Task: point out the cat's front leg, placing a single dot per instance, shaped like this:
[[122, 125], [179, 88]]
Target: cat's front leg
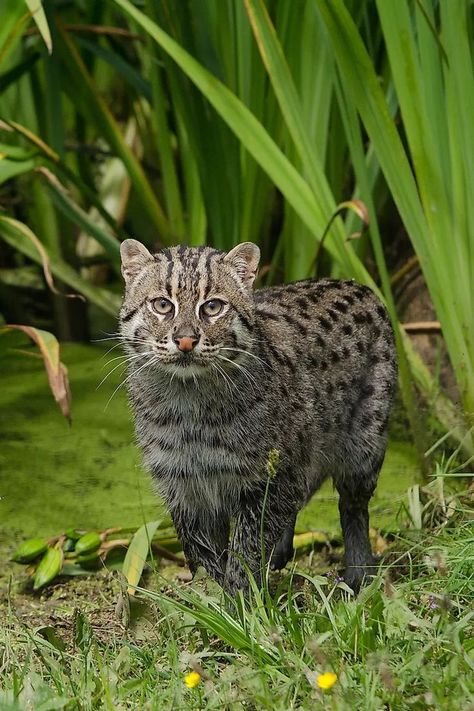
[[204, 537], [252, 543]]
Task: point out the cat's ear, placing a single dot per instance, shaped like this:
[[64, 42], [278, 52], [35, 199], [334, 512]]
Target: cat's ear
[[134, 256], [244, 259]]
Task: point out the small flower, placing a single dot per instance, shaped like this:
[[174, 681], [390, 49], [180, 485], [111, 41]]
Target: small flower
[[432, 604], [326, 681], [192, 679]]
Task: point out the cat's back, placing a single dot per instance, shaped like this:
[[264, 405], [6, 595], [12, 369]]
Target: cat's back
[[337, 318]]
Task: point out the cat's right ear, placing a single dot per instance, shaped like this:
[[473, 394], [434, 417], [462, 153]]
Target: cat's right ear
[[134, 256]]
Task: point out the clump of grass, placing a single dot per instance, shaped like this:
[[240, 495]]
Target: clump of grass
[[405, 642]]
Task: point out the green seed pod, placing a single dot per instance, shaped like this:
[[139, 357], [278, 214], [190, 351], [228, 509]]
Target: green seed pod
[[49, 568], [74, 534], [69, 545], [88, 543], [89, 561], [29, 550]]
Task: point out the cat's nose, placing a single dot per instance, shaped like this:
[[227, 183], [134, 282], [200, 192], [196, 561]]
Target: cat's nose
[[185, 343]]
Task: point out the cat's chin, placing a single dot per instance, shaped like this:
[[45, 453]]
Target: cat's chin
[[185, 368]]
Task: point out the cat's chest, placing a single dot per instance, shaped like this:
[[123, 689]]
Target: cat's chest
[[186, 437]]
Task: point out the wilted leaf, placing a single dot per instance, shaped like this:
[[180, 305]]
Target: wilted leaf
[[57, 372], [11, 225], [137, 553]]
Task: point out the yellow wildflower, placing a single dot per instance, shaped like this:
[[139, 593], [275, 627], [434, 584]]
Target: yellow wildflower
[[326, 681], [192, 679]]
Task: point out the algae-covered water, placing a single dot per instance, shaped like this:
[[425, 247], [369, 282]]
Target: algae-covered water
[[88, 475]]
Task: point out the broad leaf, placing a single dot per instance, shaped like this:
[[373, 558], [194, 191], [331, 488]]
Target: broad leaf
[[137, 554], [57, 371]]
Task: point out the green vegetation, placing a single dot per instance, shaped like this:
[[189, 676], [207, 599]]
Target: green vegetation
[[339, 137], [406, 642]]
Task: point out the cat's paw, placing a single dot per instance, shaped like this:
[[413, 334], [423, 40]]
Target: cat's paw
[[357, 576]]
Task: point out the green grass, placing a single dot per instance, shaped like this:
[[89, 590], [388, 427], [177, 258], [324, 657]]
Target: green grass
[[402, 645]]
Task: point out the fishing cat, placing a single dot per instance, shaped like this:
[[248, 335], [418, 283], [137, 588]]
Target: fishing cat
[[221, 377]]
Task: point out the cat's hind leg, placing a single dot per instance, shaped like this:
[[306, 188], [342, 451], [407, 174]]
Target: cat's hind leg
[[355, 491]]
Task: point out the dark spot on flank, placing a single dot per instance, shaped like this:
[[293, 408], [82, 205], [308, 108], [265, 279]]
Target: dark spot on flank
[[347, 330], [330, 389], [314, 296], [303, 303], [382, 312], [360, 346], [325, 323], [335, 357], [320, 340], [349, 299], [295, 323], [346, 352], [341, 306], [333, 314], [323, 365], [342, 384], [376, 332], [359, 318]]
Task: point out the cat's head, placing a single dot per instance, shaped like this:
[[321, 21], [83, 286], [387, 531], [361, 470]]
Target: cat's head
[[188, 308]]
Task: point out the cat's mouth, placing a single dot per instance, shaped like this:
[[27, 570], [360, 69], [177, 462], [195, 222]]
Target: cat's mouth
[[184, 360]]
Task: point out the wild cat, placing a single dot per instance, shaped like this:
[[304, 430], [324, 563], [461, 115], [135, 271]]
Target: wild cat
[[220, 376]]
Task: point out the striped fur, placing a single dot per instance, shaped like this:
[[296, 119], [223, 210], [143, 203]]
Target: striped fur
[[308, 369]]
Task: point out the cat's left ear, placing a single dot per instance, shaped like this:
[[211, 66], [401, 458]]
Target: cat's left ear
[[244, 259], [135, 256]]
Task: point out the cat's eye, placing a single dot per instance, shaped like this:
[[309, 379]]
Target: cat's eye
[[162, 306], [212, 307]]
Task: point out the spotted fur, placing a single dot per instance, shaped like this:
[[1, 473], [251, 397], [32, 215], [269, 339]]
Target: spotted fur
[[308, 369]]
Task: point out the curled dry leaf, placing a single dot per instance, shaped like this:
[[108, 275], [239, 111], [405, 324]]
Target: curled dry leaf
[[12, 227], [56, 371]]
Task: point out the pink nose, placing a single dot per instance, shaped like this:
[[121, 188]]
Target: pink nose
[[185, 343]]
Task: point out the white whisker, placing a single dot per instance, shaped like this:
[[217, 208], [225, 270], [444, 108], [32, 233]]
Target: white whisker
[[252, 355], [249, 377], [152, 360]]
